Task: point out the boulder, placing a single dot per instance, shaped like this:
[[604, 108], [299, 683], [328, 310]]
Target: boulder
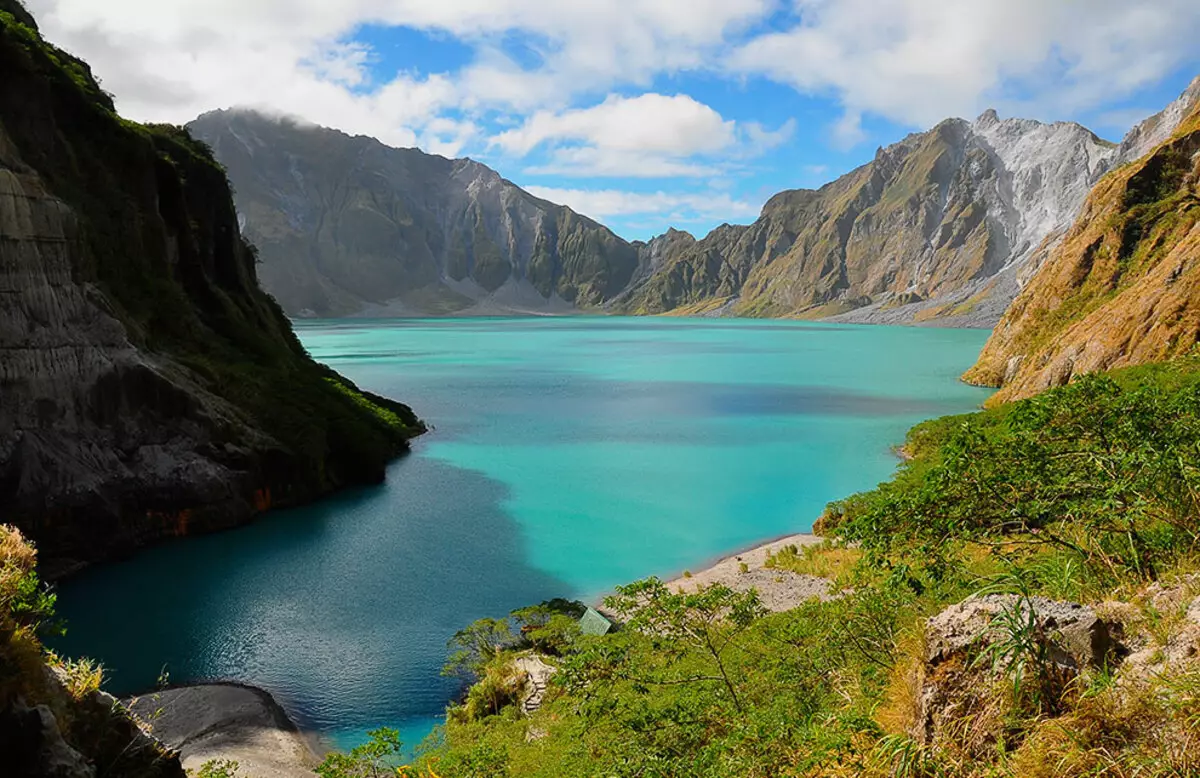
[[964, 694], [32, 746]]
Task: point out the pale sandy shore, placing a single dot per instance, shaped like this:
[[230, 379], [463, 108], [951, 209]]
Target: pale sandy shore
[[228, 721], [778, 590]]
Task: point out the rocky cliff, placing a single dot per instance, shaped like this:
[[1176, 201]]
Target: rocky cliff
[[148, 388], [937, 226], [346, 224], [1122, 287]]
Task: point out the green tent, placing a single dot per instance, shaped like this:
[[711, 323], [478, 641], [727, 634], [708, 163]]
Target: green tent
[[593, 623]]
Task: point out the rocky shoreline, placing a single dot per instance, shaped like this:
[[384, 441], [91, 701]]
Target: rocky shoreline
[[778, 590]]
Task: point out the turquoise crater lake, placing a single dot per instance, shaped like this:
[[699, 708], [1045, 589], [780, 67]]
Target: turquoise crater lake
[[568, 455]]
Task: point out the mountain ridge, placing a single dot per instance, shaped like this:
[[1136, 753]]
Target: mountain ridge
[[959, 235], [336, 236]]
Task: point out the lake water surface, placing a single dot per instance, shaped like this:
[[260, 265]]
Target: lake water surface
[[568, 455]]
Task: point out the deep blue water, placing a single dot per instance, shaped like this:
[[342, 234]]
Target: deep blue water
[[568, 455]]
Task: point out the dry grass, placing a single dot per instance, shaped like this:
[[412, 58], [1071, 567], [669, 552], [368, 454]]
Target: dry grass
[[20, 650], [1147, 731], [901, 706], [82, 677], [827, 560]]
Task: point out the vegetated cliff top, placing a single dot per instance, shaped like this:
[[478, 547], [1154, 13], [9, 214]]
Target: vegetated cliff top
[[1123, 288], [152, 389]]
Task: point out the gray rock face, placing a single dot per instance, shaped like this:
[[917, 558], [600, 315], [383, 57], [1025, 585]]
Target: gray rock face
[[38, 749], [1080, 637], [958, 683], [84, 416], [1036, 179], [347, 225]]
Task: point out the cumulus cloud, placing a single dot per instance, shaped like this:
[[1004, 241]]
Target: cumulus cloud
[[586, 103], [170, 60], [648, 136], [914, 61], [676, 125], [682, 208], [919, 61]]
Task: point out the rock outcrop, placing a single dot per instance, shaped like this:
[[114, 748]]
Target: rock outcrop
[[148, 387], [960, 697], [1123, 287], [227, 722], [348, 225], [537, 675]]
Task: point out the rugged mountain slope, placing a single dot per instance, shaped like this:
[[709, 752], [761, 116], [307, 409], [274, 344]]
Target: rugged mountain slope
[[345, 223], [936, 226], [1124, 286], [148, 387]]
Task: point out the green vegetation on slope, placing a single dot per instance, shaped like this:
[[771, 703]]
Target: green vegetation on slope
[[53, 718], [1086, 493]]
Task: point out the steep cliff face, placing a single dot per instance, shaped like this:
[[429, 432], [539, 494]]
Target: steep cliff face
[[937, 226], [148, 388], [346, 223], [1124, 286]]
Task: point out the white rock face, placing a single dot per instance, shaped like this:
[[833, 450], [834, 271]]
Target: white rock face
[[1046, 173], [1153, 131]]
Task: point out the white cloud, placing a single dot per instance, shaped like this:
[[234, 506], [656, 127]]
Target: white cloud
[[169, 60], [919, 61], [913, 61], [648, 136], [680, 207], [675, 125], [760, 140], [847, 132], [587, 162]]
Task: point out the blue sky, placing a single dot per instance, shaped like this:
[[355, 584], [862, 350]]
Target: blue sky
[[643, 114]]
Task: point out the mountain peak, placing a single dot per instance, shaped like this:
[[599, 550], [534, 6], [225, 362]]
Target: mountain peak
[[988, 118]]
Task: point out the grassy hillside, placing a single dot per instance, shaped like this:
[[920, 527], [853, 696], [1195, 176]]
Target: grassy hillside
[[1086, 493]]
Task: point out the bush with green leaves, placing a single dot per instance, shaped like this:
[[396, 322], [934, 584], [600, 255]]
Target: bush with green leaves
[[378, 757], [1104, 471]]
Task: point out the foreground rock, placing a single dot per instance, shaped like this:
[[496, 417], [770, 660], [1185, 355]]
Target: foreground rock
[[67, 735], [778, 590], [226, 721], [976, 649]]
